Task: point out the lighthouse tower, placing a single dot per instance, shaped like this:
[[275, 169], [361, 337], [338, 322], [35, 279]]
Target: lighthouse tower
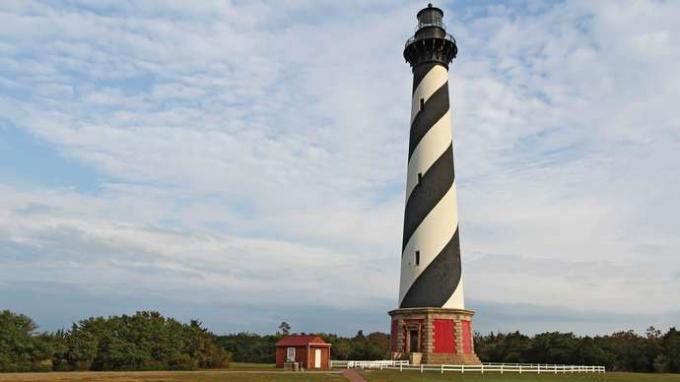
[[431, 324]]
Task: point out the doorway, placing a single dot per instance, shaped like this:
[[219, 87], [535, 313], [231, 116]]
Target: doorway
[[317, 358], [414, 341]]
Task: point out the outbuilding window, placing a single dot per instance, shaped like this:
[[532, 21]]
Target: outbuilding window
[[422, 104], [417, 258]]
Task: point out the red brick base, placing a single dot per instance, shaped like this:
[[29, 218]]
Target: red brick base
[[433, 347]]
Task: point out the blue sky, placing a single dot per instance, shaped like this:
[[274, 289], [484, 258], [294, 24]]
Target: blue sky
[[243, 163]]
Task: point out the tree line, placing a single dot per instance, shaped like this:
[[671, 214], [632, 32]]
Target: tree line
[[143, 341], [251, 347], [622, 351]]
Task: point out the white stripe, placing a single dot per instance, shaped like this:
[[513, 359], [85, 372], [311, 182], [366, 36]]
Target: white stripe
[[429, 149], [456, 301], [433, 80], [433, 233]]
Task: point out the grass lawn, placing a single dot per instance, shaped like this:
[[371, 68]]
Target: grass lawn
[[253, 366], [412, 376], [247, 373], [266, 373]]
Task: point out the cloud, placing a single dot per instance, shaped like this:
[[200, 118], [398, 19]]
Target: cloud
[[237, 153], [533, 318]]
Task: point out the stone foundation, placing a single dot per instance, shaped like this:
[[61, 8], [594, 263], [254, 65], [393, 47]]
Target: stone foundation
[[415, 331]]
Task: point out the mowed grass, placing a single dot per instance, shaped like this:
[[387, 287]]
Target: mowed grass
[[412, 375], [266, 373], [238, 372], [253, 366]]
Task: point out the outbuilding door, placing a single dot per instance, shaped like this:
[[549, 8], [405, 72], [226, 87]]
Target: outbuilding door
[[317, 358]]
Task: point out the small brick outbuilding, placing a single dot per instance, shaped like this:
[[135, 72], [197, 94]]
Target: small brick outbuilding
[[310, 351]]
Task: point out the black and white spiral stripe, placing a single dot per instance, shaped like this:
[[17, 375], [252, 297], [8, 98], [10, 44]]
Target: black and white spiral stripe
[[431, 216]]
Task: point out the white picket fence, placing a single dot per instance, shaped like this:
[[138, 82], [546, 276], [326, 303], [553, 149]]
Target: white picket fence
[[490, 367], [379, 364]]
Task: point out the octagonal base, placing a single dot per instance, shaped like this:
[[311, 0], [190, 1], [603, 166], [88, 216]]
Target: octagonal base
[[433, 336]]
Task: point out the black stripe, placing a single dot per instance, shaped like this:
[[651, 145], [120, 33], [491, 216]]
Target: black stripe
[[435, 183], [419, 72], [435, 108], [438, 281]]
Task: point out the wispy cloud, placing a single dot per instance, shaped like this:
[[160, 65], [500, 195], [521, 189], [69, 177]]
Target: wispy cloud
[[241, 152]]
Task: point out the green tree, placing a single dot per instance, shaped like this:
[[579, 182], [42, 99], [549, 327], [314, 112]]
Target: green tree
[[553, 347], [143, 341], [626, 349], [284, 328], [341, 347], [250, 347], [671, 350], [512, 347], [21, 347]]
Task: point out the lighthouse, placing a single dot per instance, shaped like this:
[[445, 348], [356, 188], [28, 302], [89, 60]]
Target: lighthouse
[[431, 324]]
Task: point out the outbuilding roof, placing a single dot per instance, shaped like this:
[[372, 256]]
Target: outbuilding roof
[[301, 340]]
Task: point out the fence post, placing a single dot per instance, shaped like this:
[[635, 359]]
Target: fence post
[[482, 368], [539, 369], [555, 368], [520, 369], [421, 368], [502, 367], [462, 369], [442, 367], [401, 367]]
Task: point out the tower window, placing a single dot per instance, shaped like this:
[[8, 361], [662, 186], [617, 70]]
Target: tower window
[[417, 258], [422, 104], [420, 177]]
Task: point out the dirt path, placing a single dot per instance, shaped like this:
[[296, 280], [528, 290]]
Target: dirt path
[[353, 376]]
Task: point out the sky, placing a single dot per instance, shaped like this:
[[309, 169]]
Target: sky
[[243, 163]]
